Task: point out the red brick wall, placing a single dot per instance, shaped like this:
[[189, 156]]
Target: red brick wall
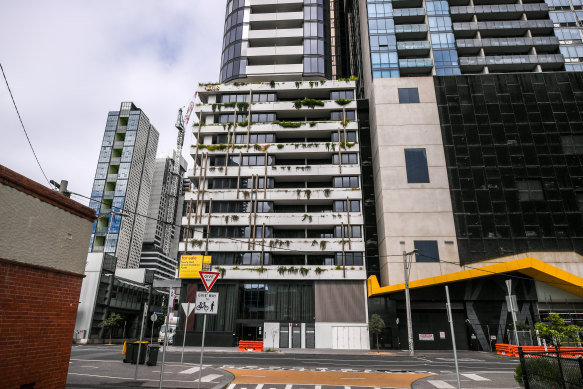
[[38, 307]]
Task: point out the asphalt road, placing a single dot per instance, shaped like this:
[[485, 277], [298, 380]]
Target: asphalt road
[[424, 361]]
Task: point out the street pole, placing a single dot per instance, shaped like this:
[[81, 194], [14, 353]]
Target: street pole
[[170, 302], [141, 337], [408, 304], [450, 318], [201, 349], [184, 336], [512, 310]]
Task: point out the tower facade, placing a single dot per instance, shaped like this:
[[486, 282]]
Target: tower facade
[[121, 189], [276, 196], [158, 255]]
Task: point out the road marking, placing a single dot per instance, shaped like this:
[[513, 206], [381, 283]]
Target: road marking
[[232, 386], [318, 387], [347, 387], [440, 384], [288, 386], [91, 367], [475, 377], [210, 377], [190, 371]]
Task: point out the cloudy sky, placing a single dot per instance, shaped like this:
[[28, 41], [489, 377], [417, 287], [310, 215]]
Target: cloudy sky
[[70, 62]]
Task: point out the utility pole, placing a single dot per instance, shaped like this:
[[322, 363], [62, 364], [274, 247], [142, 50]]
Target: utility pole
[[407, 267]]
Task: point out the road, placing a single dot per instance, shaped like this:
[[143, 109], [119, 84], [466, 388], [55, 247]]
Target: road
[[483, 370]]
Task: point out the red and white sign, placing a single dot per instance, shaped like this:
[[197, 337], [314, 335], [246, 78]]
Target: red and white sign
[[209, 278], [426, 337]]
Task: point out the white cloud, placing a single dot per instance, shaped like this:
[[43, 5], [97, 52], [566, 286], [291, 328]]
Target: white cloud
[[70, 62]]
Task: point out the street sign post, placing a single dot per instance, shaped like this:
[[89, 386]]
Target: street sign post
[[144, 314], [209, 278], [187, 308], [450, 319], [206, 303], [171, 296], [153, 318]]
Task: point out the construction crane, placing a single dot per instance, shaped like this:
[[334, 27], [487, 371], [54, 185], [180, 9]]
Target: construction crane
[[176, 177]]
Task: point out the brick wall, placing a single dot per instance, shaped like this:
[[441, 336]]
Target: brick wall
[[38, 306]]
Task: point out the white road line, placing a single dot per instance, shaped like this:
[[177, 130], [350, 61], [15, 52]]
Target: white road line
[[440, 384], [347, 387], [475, 377], [210, 377], [91, 367], [288, 386], [191, 370], [232, 386], [259, 386], [318, 387]]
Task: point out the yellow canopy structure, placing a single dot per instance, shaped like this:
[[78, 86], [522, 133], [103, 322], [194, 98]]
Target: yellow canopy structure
[[530, 266]]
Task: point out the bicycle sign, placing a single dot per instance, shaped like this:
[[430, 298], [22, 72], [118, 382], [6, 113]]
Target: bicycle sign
[[206, 303]]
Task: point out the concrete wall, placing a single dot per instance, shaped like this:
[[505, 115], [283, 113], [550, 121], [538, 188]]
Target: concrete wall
[[40, 233], [408, 212], [88, 296]]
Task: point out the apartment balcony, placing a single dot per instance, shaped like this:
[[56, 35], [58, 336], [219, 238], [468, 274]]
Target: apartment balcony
[[301, 245], [121, 129], [282, 52], [257, 70], [279, 37], [507, 45], [287, 107], [290, 87], [414, 48], [316, 194], [318, 219], [503, 28], [512, 62], [409, 15], [101, 231], [299, 150], [118, 144], [304, 171], [272, 20], [98, 249], [270, 6], [306, 127], [111, 178], [108, 195], [115, 161], [499, 12], [397, 4], [271, 272], [411, 31], [415, 65]]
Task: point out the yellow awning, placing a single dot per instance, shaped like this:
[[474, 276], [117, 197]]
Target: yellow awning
[[530, 266]]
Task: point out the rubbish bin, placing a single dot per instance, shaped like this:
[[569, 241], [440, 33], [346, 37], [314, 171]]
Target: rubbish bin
[[152, 352], [132, 352]]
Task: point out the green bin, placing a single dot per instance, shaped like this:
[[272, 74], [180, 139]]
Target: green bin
[[132, 352], [153, 350]]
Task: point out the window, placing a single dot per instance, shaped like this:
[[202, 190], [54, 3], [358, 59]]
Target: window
[[572, 144], [350, 259], [223, 183], [345, 182], [416, 162], [247, 183], [530, 190], [342, 94], [427, 251], [350, 136], [263, 97], [353, 232], [262, 117], [408, 95], [347, 158], [340, 206], [234, 98], [228, 118], [337, 115], [580, 201]]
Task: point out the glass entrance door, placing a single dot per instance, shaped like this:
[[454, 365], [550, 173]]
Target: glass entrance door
[[250, 331]]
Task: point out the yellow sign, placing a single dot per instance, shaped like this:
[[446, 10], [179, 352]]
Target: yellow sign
[[190, 265]]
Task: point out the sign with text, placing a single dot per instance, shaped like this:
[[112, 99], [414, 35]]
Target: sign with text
[[190, 265], [426, 337], [207, 303], [209, 278]]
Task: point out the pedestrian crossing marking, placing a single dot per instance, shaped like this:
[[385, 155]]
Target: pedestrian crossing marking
[[440, 384], [259, 386], [190, 371], [288, 386], [232, 386], [475, 377], [210, 377]]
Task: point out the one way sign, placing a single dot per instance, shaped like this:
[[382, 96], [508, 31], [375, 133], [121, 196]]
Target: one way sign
[[209, 278]]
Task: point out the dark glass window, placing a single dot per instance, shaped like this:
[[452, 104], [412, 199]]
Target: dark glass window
[[580, 201], [408, 95], [347, 158], [416, 162], [427, 251], [353, 232], [337, 115], [530, 190], [350, 136], [342, 94], [350, 259], [340, 206], [572, 144], [345, 182]]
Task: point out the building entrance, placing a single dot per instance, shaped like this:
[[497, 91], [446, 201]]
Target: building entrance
[[248, 331]]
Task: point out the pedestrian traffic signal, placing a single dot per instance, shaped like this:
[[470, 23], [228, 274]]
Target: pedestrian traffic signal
[[175, 305]]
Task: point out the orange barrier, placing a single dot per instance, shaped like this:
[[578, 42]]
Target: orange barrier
[[510, 350], [250, 345]]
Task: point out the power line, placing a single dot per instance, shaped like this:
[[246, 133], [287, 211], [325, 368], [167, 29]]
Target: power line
[[25, 132], [438, 260]]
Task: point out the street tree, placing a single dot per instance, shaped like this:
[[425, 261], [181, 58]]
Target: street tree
[[113, 321], [376, 326], [557, 330]]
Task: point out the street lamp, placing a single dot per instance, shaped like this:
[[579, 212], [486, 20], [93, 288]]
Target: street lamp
[[407, 258]]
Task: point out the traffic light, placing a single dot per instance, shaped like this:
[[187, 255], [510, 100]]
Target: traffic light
[[175, 305]]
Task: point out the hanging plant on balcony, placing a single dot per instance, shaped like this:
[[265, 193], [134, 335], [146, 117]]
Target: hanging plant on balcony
[[343, 101]]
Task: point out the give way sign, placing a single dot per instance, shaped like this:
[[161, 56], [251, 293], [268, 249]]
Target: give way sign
[[209, 278]]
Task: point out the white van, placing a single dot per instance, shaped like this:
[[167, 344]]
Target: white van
[[171, 333]]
